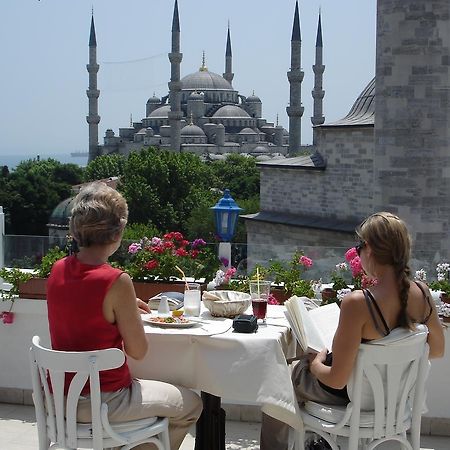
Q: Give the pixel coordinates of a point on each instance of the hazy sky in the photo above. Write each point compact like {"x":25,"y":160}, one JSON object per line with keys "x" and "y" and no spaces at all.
{"x":44,"y":48}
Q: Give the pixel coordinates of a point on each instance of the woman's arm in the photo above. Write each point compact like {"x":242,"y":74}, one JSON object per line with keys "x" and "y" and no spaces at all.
{"x":122,"y":300}
{"x":436,"y":338}
{"x":345,"y":343}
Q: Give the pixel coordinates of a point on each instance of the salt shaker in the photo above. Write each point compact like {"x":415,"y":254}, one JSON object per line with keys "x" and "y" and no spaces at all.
{"x":163,"y":308}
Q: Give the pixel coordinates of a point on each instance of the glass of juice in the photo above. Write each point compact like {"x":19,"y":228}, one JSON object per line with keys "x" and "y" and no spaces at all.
{"x":259,"y":291}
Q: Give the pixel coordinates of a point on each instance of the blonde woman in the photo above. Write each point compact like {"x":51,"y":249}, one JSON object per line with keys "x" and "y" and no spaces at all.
{"x":93,"y":306}
{"x":384,"y":248}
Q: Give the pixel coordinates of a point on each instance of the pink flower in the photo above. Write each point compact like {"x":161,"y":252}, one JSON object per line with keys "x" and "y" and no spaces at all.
{"x":8,"y":317}
{"x":367,"y":282}
{"x":156,"y":241}
{"x":229,"y":274}
{"x":305,"y":261}
{"x":351,"y":254}
{"x":356,"y":267}
{"x":134,"y":248}
{"x":272,"y":300}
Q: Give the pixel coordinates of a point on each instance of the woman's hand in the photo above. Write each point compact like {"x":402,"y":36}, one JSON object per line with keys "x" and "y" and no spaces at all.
{"x":143,"y":307}
{"x":317,"y":361}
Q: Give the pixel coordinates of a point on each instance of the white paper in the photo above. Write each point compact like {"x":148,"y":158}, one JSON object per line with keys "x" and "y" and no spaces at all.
{"x":313,"y":329}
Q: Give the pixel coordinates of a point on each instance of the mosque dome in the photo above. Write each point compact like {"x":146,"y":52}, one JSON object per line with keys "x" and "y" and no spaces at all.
{"x":253,"y":99}
{"x":61,"y":214}
{"x":363,"y":110}
{"x":192,"y":130}
{"x":154,"y":99}
{"x":160,"y":113}
{"x":205,"y":80}
{"x":231,"y":111}
{"x":247,"y":131}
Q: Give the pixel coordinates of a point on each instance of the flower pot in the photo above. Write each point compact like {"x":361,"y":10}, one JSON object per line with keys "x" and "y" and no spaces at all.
{"x":445,"y":298}
{"x":280,"y":294}
{"x":147,"y":289}
{"x":328,"y":294}
{"x":35,"y":288}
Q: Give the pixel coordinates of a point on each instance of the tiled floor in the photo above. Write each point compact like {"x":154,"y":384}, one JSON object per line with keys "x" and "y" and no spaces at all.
{"x":18,"y":432}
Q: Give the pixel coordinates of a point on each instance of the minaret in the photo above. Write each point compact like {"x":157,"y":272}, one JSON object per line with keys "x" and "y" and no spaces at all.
{"x":175,"y":114}
{"x":295,"y":77}
{"x":228,"y":75}
{"x":318,"y":92}
{"x":93,"y":93}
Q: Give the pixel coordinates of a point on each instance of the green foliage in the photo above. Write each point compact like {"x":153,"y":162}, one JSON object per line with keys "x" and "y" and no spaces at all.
{"x":135,"y":231}
{"x":53,"y":255}
{"x":163,"y":187}
{"x":14,"y":277}
{"x":239,"y":174}
{"x":31,"y":192}
{"x":105,"y":166}
{"x":289,"y":274}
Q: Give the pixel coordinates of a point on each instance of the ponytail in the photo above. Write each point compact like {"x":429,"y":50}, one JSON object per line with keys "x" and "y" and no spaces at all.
{"x":404,"y":284}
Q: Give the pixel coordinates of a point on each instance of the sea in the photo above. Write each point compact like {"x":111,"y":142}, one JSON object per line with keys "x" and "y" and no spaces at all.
{"x":13,"y":160}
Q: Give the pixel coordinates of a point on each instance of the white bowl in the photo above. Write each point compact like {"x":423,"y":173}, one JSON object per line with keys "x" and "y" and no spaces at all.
{"x":226,"y":303}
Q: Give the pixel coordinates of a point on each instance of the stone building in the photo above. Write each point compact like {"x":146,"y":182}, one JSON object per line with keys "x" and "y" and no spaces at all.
{"x":203,"y":113}
{"x":391,"y":152}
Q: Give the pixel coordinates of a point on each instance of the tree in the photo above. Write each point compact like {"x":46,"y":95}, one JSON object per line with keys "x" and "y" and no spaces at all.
{"x":33,"y":190}
{"x":105,"y":166}
{"x":239,"y":174}
{"x":163,"y":187}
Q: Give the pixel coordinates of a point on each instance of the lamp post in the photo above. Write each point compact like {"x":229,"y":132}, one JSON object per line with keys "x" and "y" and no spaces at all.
{"x":226,"y":213}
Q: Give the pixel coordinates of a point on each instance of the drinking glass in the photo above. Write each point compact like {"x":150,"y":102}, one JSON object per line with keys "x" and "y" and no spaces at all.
{"x":259,"y":291}
{"x":192,"y":300}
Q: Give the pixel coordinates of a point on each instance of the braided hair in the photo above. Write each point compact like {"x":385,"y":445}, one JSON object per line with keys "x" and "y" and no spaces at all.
{"x":390,"y":242}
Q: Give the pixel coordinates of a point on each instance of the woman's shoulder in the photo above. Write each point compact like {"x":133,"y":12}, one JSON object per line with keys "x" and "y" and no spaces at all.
{"x":354,"y":301}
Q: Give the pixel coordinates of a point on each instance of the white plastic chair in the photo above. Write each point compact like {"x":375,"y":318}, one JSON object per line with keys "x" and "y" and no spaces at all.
{"x":386,"y":391}
{"x":56,"y":413}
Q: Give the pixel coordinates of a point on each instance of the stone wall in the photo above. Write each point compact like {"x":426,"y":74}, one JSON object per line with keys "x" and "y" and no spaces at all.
{"x":342,"y":191}
{"x":412,"y":142}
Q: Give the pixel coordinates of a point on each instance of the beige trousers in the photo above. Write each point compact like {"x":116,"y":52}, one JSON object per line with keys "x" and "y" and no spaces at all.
{"x":148,"y":398}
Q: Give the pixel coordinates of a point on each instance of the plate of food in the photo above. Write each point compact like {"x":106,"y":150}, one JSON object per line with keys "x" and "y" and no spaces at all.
{"x":170,"y":322}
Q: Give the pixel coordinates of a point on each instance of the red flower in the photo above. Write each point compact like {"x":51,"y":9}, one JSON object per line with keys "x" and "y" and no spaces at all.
{"x":152,"y":264}
{"x":158,"y":249}
{"x":194,"y":254}
{"x":168,"y":244}
{"x":184,"y":243}
{"x":181,"y":252}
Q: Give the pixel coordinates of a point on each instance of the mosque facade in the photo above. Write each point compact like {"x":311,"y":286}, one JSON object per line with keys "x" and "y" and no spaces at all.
{"x":203,"y":113}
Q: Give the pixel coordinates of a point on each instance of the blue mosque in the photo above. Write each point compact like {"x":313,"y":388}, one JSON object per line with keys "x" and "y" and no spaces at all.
{"x":204,"y":113}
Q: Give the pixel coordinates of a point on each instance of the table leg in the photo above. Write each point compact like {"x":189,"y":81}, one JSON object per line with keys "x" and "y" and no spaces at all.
{"x":210,"y":428}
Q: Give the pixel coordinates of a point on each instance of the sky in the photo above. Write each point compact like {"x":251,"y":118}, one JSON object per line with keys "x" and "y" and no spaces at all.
{"x":44,"y":48}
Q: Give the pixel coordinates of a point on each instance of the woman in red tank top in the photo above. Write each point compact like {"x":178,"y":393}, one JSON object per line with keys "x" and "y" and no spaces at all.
{"x":93,"y":306}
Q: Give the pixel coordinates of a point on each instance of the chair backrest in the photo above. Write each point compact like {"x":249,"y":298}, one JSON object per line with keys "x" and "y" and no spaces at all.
{"x":57,"y":411}
{"x":389,"y":379}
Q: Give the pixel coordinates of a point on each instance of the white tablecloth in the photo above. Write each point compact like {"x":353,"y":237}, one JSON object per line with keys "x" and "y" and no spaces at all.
{"x":245,"y":368}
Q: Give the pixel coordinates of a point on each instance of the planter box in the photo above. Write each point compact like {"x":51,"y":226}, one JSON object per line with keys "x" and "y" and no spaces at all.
{"x":145,"y":290}
{"x":34,"y":288}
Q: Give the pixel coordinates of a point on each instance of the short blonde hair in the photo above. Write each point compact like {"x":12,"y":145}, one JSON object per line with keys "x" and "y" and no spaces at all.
{"x":99,"y":215}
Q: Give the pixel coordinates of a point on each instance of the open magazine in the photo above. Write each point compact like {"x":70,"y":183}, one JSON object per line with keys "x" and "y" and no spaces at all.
{"x":314,"y":329}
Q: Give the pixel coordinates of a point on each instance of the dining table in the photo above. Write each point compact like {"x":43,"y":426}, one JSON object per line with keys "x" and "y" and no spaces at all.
{"x":210,"y":357}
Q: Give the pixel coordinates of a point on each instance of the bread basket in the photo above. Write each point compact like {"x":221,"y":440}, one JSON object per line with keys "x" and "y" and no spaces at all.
{"x":226,"y":303}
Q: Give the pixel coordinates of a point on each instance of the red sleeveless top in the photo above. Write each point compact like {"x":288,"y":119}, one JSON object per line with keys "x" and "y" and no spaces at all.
{"x":75,"y":294}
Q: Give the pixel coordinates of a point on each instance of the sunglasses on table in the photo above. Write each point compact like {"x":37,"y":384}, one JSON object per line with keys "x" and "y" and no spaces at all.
{"x":359,"y":246}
